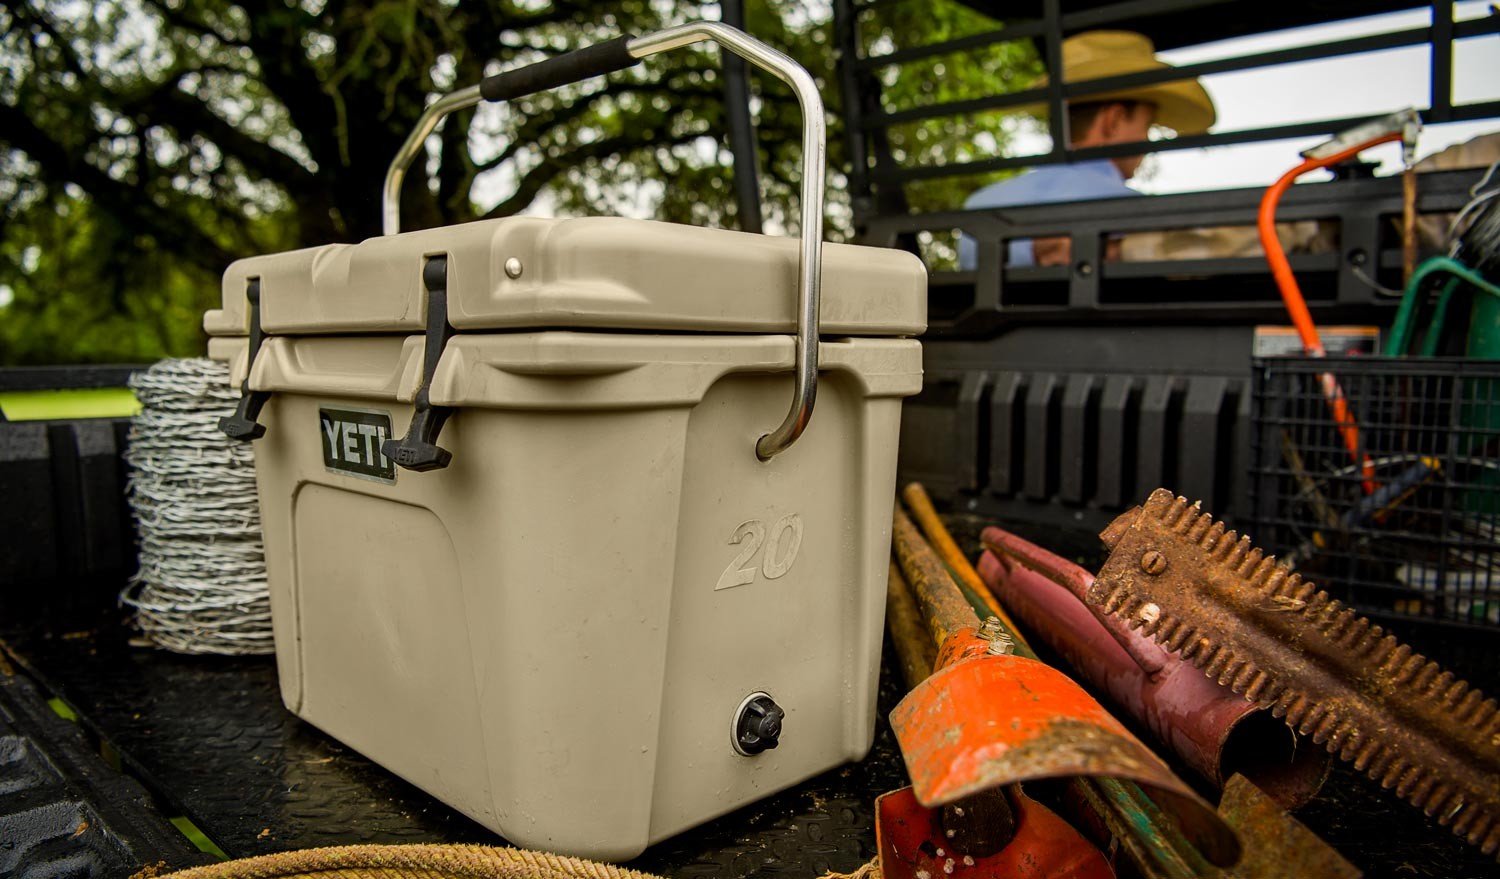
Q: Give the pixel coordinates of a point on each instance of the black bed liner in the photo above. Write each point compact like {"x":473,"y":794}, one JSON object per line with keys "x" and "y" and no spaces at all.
{"x":210,"y":740}
{"x":63,"y":810}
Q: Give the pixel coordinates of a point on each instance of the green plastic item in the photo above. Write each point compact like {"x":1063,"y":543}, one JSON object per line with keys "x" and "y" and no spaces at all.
{"x":1401,"y":330}
{"x":1484,"y":328}
{"x":1439,"y":318}
{"x":76,"y":403}
{"x":1478,"y":415}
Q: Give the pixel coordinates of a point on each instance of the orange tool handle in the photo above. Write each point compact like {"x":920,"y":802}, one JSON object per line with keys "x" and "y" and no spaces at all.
{"x":1296,"y":305}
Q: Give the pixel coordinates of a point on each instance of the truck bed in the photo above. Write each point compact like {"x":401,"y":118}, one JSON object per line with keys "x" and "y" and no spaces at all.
{"x":210,"y":740}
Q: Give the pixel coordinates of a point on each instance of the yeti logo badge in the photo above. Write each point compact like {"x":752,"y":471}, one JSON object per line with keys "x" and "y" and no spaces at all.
{"x":352,"y":440}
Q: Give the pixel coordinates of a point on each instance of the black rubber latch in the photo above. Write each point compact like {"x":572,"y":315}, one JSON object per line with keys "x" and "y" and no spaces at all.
{"x":579,"y":64}
{"x":242,"y":425}
{"x":758,"y":728}
{"x":418,"y":449}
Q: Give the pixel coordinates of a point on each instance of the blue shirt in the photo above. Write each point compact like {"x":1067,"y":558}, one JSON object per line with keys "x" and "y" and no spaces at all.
{"x":1080,"y":181}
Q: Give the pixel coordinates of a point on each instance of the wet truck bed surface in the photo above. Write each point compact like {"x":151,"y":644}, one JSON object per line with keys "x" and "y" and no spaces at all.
{"x":210,"y":741}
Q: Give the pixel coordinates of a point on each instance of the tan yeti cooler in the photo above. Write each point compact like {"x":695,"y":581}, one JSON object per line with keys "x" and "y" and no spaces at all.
{"x":613,"y":599}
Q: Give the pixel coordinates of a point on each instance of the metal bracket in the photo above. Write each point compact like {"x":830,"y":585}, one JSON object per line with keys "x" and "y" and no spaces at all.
{"x":1407,"y":123}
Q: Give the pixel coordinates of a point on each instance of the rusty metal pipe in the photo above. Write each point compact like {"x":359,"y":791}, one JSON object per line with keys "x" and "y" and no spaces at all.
{"x":1408,"y":222}
{"x":1214,"y":731}
{"x":914,"y":648}
{"x":926,"y":516}
{"x":942,"y":604}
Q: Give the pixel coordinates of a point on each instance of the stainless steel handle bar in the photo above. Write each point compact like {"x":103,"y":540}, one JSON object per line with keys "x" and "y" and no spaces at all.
{"x":814,"y":169}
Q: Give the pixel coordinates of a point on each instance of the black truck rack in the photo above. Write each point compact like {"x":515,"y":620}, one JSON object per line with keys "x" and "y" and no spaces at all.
{"x":1064,"y":394}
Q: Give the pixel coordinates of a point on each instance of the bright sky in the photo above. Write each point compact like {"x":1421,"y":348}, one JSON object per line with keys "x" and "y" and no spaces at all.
{"x":1372,"y":84}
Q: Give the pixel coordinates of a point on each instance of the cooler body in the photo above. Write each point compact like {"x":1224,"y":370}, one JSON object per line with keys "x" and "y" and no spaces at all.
{"x":556,"y":632}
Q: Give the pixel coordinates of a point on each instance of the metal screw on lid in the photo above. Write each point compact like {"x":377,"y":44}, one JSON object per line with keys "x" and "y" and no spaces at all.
{"x":513,"y":267}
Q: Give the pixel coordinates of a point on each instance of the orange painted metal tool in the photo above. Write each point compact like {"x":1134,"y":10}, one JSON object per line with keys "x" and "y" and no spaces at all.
{"x":910,"y":841}
{"x":987,"y":718}
{"x":916,"y":842}
{"x":1402,"y":126}
{"x":984,"y":720}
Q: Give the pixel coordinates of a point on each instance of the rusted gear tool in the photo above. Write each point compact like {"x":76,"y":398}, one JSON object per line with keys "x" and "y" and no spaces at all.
{"x":1256,"y":627}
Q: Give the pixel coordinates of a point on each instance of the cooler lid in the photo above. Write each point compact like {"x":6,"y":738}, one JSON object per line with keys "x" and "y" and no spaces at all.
{"x":600,"y":272}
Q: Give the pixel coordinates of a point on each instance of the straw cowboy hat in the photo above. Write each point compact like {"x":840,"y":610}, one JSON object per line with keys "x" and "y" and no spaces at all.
{"x":1181,"y":105}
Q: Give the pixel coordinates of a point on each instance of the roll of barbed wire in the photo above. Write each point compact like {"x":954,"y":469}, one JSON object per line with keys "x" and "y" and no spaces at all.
{"x":201,"y":587}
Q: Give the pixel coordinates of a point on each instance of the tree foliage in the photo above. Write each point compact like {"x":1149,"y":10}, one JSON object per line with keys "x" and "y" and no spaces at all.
{"x":147,"y":143}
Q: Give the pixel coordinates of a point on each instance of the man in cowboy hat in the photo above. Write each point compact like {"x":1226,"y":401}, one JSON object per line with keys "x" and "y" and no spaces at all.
{"x":1124,"y":116}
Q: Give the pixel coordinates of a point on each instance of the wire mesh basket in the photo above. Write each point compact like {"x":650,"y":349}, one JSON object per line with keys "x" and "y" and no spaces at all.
{"x":1406,"y":526}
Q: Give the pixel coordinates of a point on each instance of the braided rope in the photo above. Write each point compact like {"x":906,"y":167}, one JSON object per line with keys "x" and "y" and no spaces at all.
{"x":410,"y":862}
{"x":868,"y":870}
{"x":201,"y":587}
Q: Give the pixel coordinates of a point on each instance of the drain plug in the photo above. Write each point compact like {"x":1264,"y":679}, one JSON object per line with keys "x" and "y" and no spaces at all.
{"x":757,"y":724}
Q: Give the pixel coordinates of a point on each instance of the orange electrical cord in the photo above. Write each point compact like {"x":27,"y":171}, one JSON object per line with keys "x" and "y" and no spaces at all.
{"x":1296,"y":305}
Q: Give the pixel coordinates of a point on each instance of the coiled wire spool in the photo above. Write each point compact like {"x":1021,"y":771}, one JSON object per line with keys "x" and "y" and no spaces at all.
{"x":201,"y":587}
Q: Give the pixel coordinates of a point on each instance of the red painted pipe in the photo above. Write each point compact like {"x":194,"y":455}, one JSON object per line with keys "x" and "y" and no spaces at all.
{"x":1214,"y":731}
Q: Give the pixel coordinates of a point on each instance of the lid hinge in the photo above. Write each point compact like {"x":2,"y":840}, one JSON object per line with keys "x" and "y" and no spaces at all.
{"x":242,"y":425}
{"x":418,"y":450}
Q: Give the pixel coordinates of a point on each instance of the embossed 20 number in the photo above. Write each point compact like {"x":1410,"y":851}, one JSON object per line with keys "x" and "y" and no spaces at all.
{"x":781,"y":543}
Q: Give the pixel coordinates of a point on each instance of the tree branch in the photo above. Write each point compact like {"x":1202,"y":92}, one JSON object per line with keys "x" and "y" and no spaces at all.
{"x":456,"y":165}
{"x":506,"y":20}
{"x":40,"y":20}
{"x":536,"y":126}
{"x":455,"y":169}
{"x":187,"y":116}
{"x":179,"y":18}
{"x":289,"y":75}
{"x":537,"y":179}
{"x":122,"y":199}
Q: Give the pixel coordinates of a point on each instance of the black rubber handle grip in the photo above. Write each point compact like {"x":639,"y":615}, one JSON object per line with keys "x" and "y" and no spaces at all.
{"x":579,"y":64}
